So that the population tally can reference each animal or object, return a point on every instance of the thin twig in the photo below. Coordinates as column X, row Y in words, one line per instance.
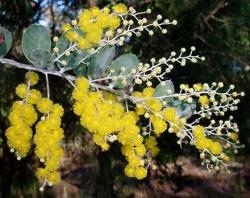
column 47, row 84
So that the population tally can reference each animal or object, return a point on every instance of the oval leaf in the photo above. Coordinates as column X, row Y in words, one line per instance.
column 129, row 61
column 100, row 62
column 81, row 70
column 36, row 43
column 41, row 58
column 164, row 89
column 5, row 41
column 185, row 110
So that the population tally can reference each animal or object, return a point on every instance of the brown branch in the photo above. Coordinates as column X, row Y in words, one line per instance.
column 91, row 3
column 211, row 14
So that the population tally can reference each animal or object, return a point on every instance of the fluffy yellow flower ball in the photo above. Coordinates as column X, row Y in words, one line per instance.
column 198, row 131
column 22, row 90
column 204, row 101
column 140, row 173
column 159, row 124
column 129, row 171
column 32, row 78
column 34, row 96
column 45, row 105
column 120, row 8
column 169, row 114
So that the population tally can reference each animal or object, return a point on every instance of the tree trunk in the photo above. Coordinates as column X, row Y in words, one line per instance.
column 91, row 3
column 104, row 185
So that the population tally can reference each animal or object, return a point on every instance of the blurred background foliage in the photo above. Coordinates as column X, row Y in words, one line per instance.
column 219, row 29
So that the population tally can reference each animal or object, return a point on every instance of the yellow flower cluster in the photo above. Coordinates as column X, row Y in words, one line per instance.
column 152, row 108
column 151, row 145
column 132, row 146
column 94, row 23
column 48, row 131
column 109, row 119
column 202, row 142
column 47, row 140
column 22, row 116
column 19, row 134
column 103, row 107
column 204, row 101
column 148, row 104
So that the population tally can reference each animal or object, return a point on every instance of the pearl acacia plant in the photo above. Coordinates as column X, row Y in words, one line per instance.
column 114, row 95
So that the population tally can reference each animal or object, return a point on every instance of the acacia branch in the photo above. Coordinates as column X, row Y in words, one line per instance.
column 46, row 72
column 36, row 68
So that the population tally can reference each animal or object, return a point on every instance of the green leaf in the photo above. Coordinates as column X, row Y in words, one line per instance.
column 164, row 89
column 74, row 60
column 36, row 45
column 184, row 110
column 100, row 62
column 41, row 58
column 5, row 41
column 129, row 61
column 81, row 70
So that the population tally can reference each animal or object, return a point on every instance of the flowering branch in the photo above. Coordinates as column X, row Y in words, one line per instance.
column 36, row 68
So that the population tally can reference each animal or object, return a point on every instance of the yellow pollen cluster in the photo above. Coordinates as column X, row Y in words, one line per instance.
column 202, row 142
column 110, row 123
column 101, row 106
column 32, row 77
column 234, row 136
column 148, row 104
column 94, row 23
column 120, row 8
column 19, row 134
column 22, row 116
column 48, row 131
column 152, row 108
column 47, row 139
column 204, row 101
column 198, row 87
column 151, row 145
column 132, row 146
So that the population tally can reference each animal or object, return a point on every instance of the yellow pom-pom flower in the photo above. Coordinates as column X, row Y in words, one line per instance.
column 140, row 173
column 204, row 101
column 45, row 105
column 120, row 8
column 22, row 90
column 169, row 114
column 32, row 78
column 34, row 96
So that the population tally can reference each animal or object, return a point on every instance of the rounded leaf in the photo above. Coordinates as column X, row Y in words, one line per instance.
column 184, row 110
column 164, row 89
column 36, row 41
column 100, row 62
column 41, row 58
column 81, row 70
column 129, row 62
column 5, row 41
